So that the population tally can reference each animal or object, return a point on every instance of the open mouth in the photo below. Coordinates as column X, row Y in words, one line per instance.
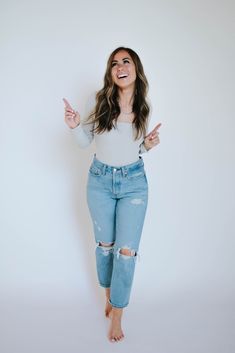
column 122, row 76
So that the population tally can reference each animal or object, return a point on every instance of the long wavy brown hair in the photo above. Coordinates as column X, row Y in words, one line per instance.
column 106, row 111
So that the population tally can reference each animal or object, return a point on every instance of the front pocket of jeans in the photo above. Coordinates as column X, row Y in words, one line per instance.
column 95, row 171
column 136, row 175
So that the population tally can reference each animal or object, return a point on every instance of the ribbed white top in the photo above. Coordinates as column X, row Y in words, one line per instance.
column 116, row 147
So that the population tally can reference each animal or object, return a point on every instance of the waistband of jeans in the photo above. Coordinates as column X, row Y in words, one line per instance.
column 125, row 168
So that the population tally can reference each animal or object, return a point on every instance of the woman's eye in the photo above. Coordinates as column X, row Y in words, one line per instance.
column 125, row 62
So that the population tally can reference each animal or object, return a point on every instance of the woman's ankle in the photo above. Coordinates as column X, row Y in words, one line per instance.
column 107, row 293
column 117, row 312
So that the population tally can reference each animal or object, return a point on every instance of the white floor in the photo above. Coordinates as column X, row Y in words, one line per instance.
column 193, row 322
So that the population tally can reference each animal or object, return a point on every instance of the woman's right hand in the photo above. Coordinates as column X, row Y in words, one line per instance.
column 71, row 117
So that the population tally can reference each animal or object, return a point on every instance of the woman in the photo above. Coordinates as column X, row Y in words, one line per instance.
column 117, row 187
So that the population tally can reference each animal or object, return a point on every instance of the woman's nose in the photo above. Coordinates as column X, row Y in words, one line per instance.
column 119, row 66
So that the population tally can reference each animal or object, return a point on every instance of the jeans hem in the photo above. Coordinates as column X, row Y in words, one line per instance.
column 118, row 306
column 104, row 285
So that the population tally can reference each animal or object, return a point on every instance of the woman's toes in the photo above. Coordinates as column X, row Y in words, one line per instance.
column 116, row 338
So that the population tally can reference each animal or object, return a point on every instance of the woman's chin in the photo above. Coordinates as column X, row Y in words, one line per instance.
column 124, row 85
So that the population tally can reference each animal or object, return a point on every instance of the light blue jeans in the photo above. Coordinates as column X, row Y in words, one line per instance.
column 117, row 198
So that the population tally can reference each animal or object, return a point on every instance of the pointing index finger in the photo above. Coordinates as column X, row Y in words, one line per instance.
column 67, row 104
column 157, row 127
column 154, row 130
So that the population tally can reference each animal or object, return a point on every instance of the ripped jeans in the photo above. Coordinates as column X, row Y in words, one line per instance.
column 117, row 199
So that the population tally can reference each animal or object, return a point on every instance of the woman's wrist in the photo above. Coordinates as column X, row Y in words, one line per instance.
column 75, row 126
column 147, row 149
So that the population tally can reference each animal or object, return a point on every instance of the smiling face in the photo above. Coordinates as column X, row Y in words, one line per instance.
column 123, row 70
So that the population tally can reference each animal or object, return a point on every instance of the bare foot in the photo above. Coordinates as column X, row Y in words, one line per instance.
column 115, row 332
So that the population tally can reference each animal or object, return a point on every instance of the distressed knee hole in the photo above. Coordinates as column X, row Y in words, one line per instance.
column 106, row 244
column 107, row 248
column 128, row 252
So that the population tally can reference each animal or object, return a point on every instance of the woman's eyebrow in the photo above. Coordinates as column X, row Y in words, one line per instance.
column 115, row 61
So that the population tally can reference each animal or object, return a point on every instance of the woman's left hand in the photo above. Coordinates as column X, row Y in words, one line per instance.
column 152, row 139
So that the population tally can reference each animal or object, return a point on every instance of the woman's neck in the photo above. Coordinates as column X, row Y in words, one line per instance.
column 126, row 98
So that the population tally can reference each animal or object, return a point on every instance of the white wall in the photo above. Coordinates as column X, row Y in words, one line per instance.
column 51, row 50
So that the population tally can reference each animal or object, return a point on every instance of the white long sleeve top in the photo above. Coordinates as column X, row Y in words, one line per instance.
column 116, row 147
